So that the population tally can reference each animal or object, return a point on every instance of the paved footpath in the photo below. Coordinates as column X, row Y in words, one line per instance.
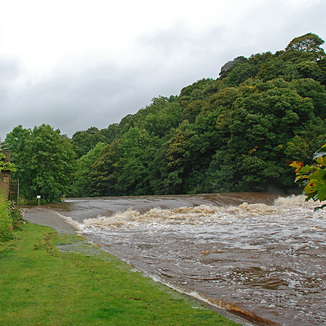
column 49, row 218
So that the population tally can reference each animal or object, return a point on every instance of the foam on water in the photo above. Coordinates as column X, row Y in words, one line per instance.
column 296, row 206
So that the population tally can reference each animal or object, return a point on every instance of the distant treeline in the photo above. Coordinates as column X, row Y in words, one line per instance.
column 234, row 133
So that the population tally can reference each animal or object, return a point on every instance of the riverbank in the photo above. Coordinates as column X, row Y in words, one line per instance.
column 51, row 278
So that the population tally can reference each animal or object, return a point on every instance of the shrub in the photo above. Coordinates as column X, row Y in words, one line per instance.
column 6, row 227
column 16, row 215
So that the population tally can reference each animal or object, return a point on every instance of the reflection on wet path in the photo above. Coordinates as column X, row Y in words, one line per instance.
column 239, row 251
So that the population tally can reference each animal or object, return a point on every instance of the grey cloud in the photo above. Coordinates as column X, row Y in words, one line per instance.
column 9, row 69
column 9, row 72
column 96, row 97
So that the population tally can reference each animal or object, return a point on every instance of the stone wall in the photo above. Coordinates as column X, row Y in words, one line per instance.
column 5, row 177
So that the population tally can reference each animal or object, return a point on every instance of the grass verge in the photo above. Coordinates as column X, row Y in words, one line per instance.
column 42, row 285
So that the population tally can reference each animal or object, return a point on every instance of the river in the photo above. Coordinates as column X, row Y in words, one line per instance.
column 254, row 254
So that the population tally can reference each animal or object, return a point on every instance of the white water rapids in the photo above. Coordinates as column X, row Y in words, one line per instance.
column 266, row 260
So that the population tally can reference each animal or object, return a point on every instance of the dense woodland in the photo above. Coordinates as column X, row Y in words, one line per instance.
column 231, row 134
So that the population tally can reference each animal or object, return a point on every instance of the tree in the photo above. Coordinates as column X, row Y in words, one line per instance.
column 278, row 68
column 159, row 117
column 310, row 88
column 15, row 142
column 262, row 121
column 137, row 154
column 84, row 141
column 307, row 56
column 194, row 92
column 44, row 162
column 187, row 156
column 303, row 145
column 307, row 43
column 105, row 172
column 82, row 184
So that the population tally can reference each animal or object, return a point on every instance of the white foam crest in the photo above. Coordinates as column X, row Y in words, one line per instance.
column 121, row 218
column 187, row 214
column 155, row 215
column 295, row 201
column 205, row 213
column 247, row 210
column 299, row 203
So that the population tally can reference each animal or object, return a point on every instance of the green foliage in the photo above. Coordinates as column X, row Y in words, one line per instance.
column 15, row 142
column 314, row 176
column 44, row 161
column 105, row 172
column 194, row 92
column 11, row 217
column 304, row 144
column 308, row 43
column 82, row 179
column 278, row 68
column 6, row 227
column 84, row 141
column 160, row 120
column 16, row 215
column 6, row 166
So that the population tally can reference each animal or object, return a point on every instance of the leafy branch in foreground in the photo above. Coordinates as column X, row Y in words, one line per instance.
column 314, row 176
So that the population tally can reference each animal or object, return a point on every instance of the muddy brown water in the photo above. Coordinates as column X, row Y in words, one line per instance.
column 250, row 253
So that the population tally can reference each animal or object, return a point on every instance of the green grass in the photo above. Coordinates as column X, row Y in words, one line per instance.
column 41, row 285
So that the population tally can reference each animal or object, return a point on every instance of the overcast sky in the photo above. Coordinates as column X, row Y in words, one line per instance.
column 75, row 64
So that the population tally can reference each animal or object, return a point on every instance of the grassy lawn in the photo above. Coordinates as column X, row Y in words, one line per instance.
column 42, row 285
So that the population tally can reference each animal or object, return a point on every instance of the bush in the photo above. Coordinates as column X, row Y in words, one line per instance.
column 6, row 227
column 16, row 215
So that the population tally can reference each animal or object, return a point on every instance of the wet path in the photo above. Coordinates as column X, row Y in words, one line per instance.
column 46, row 217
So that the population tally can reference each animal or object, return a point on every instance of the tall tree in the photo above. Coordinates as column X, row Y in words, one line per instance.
column 84, row 141
column 44, row 161
column 309, row 43
column 82, row 180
